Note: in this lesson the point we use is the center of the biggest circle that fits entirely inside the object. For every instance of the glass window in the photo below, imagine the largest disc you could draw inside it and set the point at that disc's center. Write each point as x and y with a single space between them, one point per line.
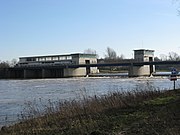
32 59
37 59
42 59
62 58
28 59
48 59
54 58
69 57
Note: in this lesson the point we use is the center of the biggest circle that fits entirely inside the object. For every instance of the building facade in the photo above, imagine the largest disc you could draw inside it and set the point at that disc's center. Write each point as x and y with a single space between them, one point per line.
61 60
142 55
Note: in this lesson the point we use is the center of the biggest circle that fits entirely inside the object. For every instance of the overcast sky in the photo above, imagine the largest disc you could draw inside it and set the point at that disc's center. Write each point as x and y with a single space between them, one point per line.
44 27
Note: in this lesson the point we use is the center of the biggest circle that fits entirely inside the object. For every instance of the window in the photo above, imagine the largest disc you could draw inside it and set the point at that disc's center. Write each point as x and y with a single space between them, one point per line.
37 59
48 58
54 58
28 59
69 57
42 59
62 58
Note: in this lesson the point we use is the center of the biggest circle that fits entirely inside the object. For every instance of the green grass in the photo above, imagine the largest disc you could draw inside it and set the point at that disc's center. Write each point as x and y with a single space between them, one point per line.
161 100
129 113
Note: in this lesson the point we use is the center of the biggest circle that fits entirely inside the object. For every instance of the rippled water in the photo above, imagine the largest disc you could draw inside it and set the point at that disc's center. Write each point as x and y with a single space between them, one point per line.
14 93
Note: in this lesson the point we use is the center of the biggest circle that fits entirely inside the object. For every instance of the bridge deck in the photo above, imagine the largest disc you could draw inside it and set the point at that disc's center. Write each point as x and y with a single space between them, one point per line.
101 65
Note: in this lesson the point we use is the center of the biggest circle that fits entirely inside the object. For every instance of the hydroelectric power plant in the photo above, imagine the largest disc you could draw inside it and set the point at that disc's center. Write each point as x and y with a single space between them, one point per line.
78 65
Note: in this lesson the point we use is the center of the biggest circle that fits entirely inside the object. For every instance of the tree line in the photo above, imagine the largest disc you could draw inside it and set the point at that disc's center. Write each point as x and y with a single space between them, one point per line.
111 55
172 56
7 64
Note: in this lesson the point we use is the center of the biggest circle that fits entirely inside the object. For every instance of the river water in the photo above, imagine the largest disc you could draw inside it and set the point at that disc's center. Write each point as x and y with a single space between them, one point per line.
15 93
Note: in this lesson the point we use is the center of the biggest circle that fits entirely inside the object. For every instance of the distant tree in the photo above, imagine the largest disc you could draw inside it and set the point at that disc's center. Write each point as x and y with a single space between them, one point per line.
163 57
121 57
13 62
173 56
91 51
157 59
4 64
7 64
112 57
178 8
110 54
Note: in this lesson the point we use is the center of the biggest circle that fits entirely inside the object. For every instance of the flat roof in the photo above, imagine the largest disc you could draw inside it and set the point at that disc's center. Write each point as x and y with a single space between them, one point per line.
73 54
144 50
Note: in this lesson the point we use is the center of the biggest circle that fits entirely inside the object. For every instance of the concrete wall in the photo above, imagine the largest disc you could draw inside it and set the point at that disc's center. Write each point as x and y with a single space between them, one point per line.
136 71
94 70
74 72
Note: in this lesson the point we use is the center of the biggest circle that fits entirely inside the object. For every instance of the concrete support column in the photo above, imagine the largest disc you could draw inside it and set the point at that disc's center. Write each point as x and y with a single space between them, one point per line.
43 73
75 72
25 74
136 71
131 71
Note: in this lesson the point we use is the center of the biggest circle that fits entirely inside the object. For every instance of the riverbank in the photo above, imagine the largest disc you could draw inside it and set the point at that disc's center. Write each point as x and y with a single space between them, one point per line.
117 113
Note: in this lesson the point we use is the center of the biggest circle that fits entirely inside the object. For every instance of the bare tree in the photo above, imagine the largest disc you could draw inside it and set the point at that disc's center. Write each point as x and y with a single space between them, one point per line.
163 57
91 51
4 64
173 56
121 57
13 62
157 59
110 53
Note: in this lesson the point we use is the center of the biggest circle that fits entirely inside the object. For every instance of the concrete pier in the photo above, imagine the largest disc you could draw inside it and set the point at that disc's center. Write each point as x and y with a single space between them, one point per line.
75 72
142 55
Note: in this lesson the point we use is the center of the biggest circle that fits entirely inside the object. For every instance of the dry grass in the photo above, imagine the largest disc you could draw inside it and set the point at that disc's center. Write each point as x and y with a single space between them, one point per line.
114 113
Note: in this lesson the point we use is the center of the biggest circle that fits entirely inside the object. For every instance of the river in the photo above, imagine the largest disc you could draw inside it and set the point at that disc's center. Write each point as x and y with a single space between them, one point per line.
15 93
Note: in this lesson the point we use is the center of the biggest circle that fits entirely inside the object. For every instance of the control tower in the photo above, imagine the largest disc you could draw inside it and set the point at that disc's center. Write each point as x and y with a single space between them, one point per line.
142 55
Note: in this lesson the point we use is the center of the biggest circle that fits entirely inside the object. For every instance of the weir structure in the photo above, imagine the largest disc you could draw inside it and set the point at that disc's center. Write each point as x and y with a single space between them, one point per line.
76 65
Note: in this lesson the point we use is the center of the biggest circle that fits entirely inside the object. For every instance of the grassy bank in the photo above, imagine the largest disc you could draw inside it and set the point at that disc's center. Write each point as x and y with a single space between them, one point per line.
130 113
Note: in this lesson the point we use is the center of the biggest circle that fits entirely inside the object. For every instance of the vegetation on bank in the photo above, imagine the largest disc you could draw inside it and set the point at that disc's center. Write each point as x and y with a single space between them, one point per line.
146 112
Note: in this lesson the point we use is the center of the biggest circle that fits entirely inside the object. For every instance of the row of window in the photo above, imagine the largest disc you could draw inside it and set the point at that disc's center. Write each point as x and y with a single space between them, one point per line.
50 58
